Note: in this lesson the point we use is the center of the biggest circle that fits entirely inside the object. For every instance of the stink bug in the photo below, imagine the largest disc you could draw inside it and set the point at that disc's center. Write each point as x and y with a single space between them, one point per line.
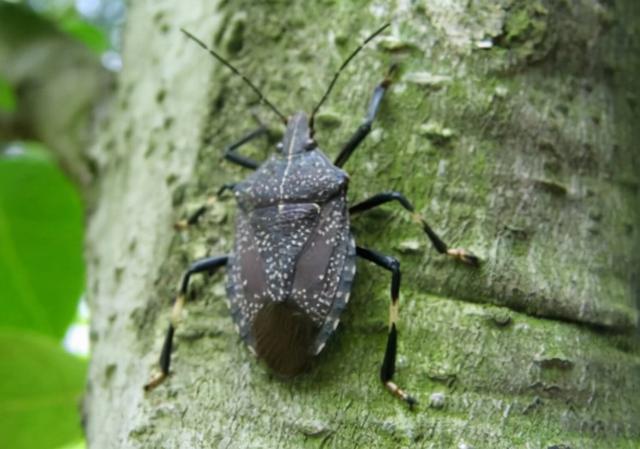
294 259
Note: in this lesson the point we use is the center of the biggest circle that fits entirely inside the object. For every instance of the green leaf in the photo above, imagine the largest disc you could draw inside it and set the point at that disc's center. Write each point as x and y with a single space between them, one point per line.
41 266
7 96
92 36
40 391
21 23
80 444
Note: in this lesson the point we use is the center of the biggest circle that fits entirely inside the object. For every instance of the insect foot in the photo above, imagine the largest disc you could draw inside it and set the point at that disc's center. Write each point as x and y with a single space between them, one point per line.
464 256
460 254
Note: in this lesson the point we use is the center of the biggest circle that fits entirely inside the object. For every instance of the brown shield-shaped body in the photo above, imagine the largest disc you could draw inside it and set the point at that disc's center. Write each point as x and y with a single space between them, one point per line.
294 257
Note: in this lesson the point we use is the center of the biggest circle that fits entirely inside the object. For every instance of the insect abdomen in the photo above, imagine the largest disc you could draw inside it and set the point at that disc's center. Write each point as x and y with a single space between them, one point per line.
283 334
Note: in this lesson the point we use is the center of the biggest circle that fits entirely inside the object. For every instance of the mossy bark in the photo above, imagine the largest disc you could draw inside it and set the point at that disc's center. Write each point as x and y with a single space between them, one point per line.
510 125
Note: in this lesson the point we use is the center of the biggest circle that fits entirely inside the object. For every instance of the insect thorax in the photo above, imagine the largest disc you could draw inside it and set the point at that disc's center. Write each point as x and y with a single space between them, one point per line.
307 177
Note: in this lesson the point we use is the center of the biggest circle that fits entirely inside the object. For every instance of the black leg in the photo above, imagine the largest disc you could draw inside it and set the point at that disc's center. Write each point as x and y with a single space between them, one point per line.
225 187
364 129
209 264
388 366
195 216
230 152
192 219
380 199
385 197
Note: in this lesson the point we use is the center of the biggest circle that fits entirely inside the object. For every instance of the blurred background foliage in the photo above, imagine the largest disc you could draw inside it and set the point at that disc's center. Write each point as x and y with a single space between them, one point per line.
57 64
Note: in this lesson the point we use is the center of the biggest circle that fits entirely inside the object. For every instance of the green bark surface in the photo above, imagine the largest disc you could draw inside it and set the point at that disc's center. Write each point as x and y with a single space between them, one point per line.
510 125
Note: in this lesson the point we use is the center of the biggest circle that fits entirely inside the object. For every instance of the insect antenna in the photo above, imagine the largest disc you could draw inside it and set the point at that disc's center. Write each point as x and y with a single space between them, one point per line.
237 72
344 64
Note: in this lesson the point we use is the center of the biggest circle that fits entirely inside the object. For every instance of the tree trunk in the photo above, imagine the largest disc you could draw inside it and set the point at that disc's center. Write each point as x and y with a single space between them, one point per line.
511 126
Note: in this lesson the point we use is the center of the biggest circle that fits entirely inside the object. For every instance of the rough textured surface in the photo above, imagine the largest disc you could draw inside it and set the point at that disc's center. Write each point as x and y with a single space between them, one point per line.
512 128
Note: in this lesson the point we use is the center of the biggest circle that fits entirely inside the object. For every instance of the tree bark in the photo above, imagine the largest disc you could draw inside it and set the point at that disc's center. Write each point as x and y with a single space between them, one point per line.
512 127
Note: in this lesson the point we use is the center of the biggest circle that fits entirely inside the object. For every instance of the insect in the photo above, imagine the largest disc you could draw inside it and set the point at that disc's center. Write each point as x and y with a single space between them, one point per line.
294 259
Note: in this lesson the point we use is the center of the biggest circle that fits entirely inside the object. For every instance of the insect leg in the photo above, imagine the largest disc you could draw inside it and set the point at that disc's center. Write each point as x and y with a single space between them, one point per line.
460 254
199 212
231 154
364 129
388 367
379 199
207 264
